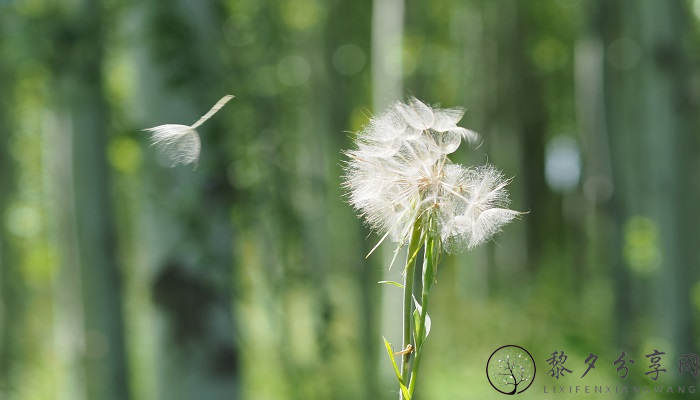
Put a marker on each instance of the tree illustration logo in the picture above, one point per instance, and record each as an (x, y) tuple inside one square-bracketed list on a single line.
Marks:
[(511, 369)]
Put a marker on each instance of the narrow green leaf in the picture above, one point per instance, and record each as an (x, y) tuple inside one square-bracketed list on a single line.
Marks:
[(390, 351), (392, 283), (416, 318), (416, 329), (430, 262)]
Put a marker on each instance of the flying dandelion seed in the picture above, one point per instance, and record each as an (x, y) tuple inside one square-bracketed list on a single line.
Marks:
[(180, 143)]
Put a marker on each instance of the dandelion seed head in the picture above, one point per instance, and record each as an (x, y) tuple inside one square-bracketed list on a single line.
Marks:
[(400, 174)]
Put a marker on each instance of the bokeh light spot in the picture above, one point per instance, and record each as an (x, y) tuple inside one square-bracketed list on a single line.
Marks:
[(550, 54), (624, 53), (562, 164), (40, 264), (349, 59), (293, 70), (641, 244), (239, 30), (301, 14), (695, 295), (23, 220), (399, 63), (124, 154)]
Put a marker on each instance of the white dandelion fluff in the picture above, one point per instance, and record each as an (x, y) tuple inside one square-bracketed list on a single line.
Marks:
[(400, 174), (180, 143)]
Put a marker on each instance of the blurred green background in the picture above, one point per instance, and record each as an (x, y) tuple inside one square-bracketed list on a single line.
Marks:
[(121, 278)]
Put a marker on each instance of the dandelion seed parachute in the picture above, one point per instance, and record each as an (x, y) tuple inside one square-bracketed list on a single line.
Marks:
[(400, 173), (180, 143)]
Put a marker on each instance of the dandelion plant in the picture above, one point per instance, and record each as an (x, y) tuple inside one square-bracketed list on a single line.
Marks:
[(402, 183)]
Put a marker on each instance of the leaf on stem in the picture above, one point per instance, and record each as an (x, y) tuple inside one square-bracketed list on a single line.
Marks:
[(416, 319), (390, 351), (392, 283)]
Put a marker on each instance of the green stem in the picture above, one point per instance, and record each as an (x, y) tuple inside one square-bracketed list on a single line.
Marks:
[(429, 265), (409, 273), (419, 349)]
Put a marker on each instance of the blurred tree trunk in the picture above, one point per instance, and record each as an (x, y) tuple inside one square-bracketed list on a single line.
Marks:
[(11, 305), (387, 46), (515, 128), (598, 180), (652, 124), (79, 102), (349, 24), (387, 53), (533, 120), (597, 90), (185, 219)]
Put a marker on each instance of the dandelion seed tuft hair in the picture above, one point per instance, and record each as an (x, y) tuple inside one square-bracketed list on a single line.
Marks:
[(400, 173), (180, 143)]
